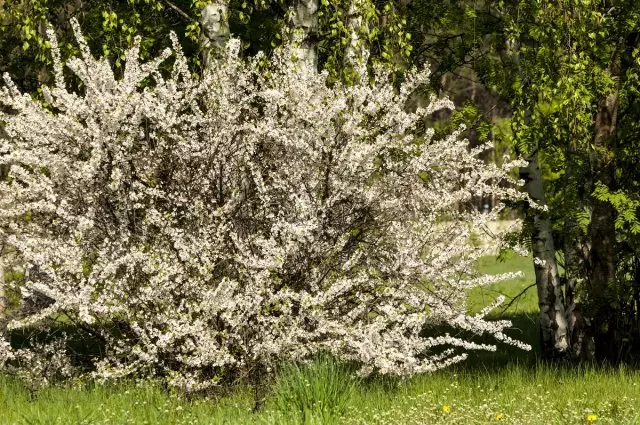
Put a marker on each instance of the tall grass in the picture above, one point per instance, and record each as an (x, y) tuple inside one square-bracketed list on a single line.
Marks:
[(315, 392)]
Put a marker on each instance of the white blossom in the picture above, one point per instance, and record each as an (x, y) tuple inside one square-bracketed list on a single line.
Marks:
[(211, 225)]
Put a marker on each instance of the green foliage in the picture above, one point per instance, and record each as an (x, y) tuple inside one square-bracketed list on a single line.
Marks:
[(626, 206), (555, 64), (111, 25), (12, 279)]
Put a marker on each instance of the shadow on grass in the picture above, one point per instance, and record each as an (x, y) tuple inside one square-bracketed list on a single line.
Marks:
[(525, 329)]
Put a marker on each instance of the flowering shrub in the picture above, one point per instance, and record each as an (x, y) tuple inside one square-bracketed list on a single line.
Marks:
[(201, 227)]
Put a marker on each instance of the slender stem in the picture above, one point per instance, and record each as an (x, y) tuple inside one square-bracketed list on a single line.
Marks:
[(515, 298), (179, 11)]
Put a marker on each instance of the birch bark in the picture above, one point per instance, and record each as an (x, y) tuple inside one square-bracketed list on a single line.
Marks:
[(553, 320), (215, 29), (356, 53), (305, 21)]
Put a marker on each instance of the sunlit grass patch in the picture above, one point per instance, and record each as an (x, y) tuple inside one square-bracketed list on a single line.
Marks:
[(527, 302)]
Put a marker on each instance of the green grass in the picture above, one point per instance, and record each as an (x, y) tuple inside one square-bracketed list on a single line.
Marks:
[(319, 390), (509, 386), (522, 311), (526, 302), (514, 394)]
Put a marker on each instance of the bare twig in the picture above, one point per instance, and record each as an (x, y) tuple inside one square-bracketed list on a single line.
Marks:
[(179, 11), (514, 299)]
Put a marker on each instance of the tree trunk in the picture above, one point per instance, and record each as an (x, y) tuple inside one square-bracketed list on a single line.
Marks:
[(305, 22), (356, 53), (581, 344), (553, 320), (602, 230), (215, 29)]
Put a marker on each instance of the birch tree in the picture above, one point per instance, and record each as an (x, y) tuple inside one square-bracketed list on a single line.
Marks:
[(214, 22), (554, 319), (357, 53), (573, 105), (304, 25)]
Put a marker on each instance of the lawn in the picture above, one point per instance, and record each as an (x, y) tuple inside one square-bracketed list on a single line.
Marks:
[(509, 386), (527, 302)]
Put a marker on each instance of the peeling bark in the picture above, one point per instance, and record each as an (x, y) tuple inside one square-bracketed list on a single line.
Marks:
[(553, 319)]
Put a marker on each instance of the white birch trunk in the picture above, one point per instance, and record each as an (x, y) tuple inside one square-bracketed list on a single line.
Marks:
[(305, 24), (356, 53), (215, 29), (553, 318)]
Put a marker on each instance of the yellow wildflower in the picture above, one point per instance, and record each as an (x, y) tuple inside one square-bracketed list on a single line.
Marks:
[(499, 416), (446, 408), (591, 417)]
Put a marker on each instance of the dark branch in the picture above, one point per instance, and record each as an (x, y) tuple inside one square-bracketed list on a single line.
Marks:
[(514, 299), (179, 11)]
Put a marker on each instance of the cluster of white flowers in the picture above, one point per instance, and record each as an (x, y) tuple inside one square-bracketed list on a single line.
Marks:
[(198, 227)]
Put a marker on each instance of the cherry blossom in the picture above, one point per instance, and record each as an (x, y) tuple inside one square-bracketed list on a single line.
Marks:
[(199, 227)]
